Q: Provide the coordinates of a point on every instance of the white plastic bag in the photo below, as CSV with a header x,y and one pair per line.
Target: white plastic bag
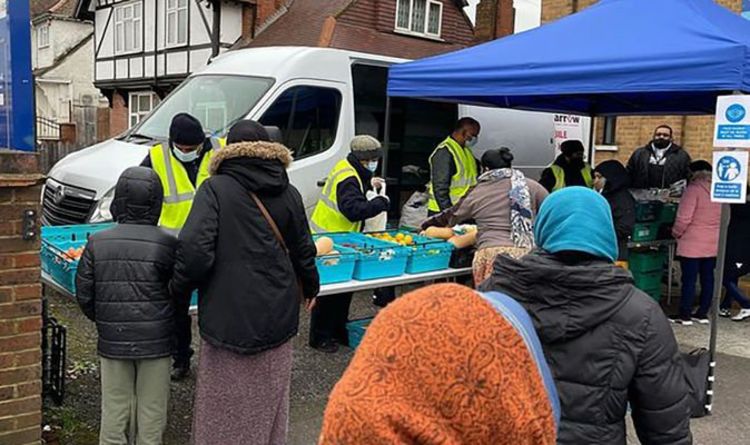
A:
x,y
414,212
378,222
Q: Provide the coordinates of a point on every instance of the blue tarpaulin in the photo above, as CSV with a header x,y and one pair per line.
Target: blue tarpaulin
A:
x,y
616,57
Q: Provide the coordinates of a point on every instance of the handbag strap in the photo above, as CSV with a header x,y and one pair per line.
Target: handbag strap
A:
x,y
271,222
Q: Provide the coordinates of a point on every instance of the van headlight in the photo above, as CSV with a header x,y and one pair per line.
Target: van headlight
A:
x,y
102,212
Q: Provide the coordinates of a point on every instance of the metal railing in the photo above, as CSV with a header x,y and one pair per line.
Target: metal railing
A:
x,y
47,129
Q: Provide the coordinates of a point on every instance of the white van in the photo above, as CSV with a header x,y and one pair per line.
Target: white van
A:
x,y
319,99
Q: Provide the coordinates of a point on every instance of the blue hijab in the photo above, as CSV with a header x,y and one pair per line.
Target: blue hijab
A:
x,y
576,219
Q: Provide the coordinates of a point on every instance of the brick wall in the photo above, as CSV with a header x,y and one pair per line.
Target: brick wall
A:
x,y
695,133
494,19
20,304
118,115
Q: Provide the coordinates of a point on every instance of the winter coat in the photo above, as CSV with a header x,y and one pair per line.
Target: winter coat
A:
x,y
696,226
676,168
121,282
607,344
248,297
573,175
620,201
352,202
737,262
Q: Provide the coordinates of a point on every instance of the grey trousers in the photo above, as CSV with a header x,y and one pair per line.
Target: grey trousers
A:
x,y
137,390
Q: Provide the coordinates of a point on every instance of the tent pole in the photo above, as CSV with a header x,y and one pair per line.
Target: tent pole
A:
x,y
591,140
386,136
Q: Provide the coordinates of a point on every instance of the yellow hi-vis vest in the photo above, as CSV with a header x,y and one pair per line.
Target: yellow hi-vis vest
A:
x,y
178,190
559,173
326,217
463,180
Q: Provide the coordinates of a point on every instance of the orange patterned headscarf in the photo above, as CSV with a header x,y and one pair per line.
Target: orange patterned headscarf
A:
x,y
440,366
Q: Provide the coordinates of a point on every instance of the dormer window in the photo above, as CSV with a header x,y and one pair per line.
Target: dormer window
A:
x,y
419,17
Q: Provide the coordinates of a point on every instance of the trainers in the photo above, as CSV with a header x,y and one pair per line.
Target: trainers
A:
x,y
725,313
741,315
327,346
180,373
700,319
677,319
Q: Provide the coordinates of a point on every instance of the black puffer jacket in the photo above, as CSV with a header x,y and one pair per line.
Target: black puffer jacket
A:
x,y
607,344
620,201
353,203
122,277
248,297
676,168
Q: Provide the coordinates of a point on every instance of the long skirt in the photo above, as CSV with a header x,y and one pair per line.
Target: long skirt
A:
x,y
484,260
242,399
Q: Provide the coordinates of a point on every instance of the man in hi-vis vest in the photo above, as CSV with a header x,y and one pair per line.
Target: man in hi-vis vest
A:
x,y
182,165
453,168
569,168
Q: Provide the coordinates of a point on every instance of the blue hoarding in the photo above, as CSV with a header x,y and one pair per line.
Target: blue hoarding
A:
x,y
16,81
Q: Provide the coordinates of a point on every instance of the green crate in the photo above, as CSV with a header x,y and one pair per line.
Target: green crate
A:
x,y
648,280
668,213
645,231
643,262
647,211
654,293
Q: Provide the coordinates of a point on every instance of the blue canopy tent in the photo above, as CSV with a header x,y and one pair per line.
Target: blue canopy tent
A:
x,y
617,57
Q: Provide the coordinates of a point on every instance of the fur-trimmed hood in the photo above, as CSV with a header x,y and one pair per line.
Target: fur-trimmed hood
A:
x,y
259,166
260,150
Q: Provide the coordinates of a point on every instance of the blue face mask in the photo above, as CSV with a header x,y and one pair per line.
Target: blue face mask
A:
x,y
372,166
185,157
470,143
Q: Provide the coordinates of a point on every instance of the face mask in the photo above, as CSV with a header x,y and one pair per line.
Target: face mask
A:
x,y
185,157
372,166
661,143
471,142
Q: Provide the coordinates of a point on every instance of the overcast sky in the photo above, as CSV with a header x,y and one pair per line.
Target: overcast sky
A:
x,y
528,13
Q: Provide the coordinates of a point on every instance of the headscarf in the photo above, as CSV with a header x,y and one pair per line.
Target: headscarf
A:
x,y
521,223
440,366
576,219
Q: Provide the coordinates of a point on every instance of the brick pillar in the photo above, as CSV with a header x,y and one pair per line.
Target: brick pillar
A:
x,y
118,116
495,19
20,303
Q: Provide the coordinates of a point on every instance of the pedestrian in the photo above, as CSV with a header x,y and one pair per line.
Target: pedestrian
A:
x,y
737,262
660,163
612,181
569,168
445,365
182,166
453,168
608,344
503,206
343,207
121,285
243,245
696,229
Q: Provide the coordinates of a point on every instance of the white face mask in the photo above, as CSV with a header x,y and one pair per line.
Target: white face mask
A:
x,y
185,157
470,143
372,166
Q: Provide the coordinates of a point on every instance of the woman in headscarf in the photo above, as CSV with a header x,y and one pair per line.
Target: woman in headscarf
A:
x,y
608,344
445,365
611,179
503,205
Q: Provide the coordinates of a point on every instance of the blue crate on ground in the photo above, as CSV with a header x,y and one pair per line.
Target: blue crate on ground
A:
x,y
337,268
56,240
376,259
356,331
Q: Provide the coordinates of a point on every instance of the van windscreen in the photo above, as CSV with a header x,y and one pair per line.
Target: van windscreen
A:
x,y
217,101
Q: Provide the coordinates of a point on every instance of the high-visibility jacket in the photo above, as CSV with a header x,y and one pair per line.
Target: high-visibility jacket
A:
x,y
327,217
178,190
559,173
464,178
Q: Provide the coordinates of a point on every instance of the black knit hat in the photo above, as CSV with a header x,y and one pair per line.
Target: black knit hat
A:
x,y
700,166
571,146
247,131
186,130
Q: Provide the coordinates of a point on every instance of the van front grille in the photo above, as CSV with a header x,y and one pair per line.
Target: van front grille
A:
x,y
66,205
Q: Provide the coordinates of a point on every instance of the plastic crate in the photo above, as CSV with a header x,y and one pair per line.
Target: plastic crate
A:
x,y
646,211
426,254
56,240
668,213
645,231
356,331
376,259
647,281
643,262
336,268
654,293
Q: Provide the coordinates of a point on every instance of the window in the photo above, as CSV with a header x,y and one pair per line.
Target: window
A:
x,y
307,117
419,17
141,105
177,22
610,131
42,36
128,28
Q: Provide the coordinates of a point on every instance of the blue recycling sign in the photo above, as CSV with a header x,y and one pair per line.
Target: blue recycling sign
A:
x,y
732,121
729,184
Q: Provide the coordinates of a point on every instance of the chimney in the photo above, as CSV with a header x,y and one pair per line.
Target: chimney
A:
x,y
495,19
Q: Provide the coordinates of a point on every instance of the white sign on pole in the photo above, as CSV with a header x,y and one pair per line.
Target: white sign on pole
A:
x,y
729,183
567,126
732,121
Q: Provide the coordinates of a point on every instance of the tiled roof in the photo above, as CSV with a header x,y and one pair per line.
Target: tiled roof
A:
x,y
64,8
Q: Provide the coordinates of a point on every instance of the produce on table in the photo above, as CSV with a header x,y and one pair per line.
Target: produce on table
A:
x,y
465,240
439,232
403,239
324,246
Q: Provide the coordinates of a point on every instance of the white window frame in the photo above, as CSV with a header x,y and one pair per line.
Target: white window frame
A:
x,y
123,25
42,36
426,33
172,37
134,103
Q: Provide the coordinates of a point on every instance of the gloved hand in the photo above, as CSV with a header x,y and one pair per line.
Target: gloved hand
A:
x,y
377,183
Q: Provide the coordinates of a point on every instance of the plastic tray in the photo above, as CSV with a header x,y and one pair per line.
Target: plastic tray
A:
x,y
356,331
643,262
56,240
668,213
336,268
645,231
646,211
376,259
647,281
426,254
